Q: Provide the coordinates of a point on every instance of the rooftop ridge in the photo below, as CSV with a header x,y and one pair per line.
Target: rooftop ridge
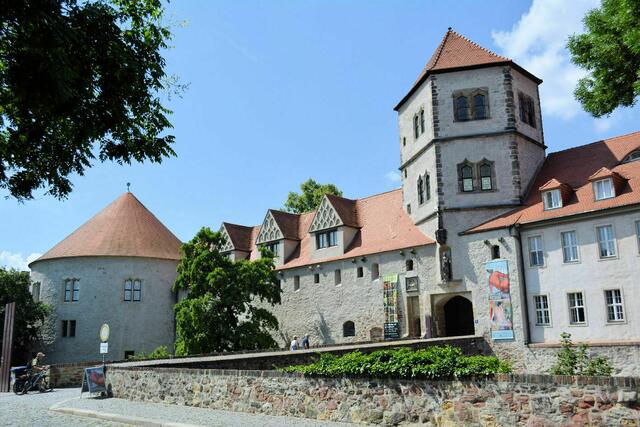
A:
x,y
577,147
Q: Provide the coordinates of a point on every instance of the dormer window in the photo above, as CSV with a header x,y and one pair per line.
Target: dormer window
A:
x,y
325,239
632,157
552,199
273,247
603,189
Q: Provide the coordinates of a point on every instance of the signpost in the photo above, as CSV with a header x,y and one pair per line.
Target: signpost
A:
x,y
104,337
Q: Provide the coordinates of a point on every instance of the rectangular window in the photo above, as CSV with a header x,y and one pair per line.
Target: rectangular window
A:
x,y
552,199
576,308
65,326
603,189
68,284
316,278
35,291
615,310
128,354
543,316
638,234
296,283
137,290
338,277
76,291
326,239
360,272
536,254
606,241
128,289
72,328
274,248
68,328
569,246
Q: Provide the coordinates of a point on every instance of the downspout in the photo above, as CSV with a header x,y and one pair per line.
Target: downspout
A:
x,y
515,232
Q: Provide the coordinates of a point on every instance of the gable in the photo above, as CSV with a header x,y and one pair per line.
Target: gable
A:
x,y
269,230
227,245
326,217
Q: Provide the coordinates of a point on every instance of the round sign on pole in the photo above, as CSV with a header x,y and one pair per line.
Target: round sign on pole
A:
x,y
104,333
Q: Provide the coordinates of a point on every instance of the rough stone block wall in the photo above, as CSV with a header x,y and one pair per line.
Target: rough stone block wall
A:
x,y
506,400
69,374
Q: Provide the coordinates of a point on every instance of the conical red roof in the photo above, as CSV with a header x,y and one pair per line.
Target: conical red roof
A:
x,y
124,228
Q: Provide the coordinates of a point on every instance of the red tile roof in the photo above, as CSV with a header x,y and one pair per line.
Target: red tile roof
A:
x,y
287,222
346,210
576,167
240,236
457,52
383,226
124,228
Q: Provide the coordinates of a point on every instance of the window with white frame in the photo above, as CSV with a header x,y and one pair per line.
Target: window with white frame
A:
x,y
603,189
536,253
133,290
606,241
71,290
543,315
632,157
615,310
569,246
325,239
552,199
576,308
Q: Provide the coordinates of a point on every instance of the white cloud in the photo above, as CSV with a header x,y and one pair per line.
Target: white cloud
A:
x,y
538,42
393,176
16,260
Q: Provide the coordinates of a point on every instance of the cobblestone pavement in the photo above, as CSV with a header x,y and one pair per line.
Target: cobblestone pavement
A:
x,y
33,410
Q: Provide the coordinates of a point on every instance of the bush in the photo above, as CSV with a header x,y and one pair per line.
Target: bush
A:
x,y
159,353
430,363
570,361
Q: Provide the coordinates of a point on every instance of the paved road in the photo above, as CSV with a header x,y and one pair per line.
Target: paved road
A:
x,y
33,410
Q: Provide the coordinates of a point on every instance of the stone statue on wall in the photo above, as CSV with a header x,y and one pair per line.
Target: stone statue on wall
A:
x,y
445,265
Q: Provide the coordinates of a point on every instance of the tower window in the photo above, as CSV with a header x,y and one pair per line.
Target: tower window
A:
x,y
375,271
527,109
71,290
348,329
466,178
296,283
416,127
404,141
68,328
479,110
420,191
421,121
427,185
360,272
409,265
486,181
462,108
132,290
316,278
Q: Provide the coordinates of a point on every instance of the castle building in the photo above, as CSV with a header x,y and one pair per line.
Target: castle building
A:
x,y
487,236
117,268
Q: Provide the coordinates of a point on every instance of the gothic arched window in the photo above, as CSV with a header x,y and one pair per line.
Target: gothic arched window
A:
x,y
479,108
420,191
348,329
462,108
466,178
427,185
486,179
416,128
421,121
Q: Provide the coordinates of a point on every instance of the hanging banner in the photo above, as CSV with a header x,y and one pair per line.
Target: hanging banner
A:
x,y
390,299
500,310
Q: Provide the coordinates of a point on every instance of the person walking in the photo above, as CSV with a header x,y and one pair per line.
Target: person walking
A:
x,y
305,342
294,344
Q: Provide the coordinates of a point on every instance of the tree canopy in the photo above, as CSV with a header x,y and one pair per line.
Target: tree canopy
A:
x,y
14,287
79,80
310,197
610,51
222,310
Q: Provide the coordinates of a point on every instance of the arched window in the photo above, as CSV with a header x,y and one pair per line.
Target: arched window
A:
x,y
348,329
632,157
486,180
409,264
427,185
462,108
416,128
479,109
420,191
466,178
421,121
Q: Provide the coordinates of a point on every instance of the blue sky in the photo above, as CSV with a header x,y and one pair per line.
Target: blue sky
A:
x,y
280,91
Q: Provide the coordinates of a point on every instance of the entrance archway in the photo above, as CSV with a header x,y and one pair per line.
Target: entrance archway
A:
x,y
458,317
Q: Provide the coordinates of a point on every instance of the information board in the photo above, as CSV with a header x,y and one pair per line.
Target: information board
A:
x,y
93,380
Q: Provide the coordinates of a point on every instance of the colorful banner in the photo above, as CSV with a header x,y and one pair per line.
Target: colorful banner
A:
x,y
93,380
500,310
390,300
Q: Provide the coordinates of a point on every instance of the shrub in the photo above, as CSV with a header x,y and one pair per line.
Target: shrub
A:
x,y
570,361
159,353
435,362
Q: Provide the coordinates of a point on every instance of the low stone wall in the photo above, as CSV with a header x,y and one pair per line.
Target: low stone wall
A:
x,y
66,375
533,400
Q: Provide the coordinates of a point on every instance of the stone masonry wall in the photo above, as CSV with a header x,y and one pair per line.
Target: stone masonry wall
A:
x,y
69,374
507,400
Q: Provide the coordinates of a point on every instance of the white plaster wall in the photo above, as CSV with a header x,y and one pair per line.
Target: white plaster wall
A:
x,y
420,99
528,87
530,159
590,275
138,326
426,163
321,309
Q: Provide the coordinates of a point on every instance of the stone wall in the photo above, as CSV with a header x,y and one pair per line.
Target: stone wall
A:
x,y
534,400
69,374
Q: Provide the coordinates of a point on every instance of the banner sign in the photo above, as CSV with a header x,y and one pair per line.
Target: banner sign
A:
x,y
93,380
390,299
500,310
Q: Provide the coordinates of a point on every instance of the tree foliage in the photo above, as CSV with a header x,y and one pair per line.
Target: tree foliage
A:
x,y
79,80
221,311
436,362
310,197
570,361
610,51
14,287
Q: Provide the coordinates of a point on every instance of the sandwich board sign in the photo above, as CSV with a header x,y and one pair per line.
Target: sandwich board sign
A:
x,y
93,380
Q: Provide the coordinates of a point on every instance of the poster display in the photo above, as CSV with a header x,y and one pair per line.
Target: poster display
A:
x,y
500,310
93,380
390,299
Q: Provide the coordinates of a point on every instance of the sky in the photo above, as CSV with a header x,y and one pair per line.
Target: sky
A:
x,y
282,91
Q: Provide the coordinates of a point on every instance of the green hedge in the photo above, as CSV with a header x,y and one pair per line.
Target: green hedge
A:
x,y
438,362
